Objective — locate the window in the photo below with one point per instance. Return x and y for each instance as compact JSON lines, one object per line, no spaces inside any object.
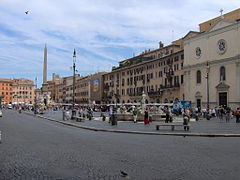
{"x":182,"y":56}
{"x":176,"y":58}
{"x":222,"y":73}
{"x":160,"y":73}
{"x":182,"y":79}
{"x":198,"y":76}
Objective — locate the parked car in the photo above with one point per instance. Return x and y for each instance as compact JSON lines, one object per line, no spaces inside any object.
{"x":9,"y":106}
{"x":0,"y":113}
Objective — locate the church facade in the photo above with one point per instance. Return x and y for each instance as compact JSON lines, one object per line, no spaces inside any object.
{"x":212,"y":66}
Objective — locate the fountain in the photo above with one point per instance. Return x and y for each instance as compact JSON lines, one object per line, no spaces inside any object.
{"x":143,"y":102}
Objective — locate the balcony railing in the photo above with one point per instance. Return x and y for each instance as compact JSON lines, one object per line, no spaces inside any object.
{"x":106,"y":87}
{"x":170,"y":86}
{"x":154,"y":93}
{"x":135,"y":94}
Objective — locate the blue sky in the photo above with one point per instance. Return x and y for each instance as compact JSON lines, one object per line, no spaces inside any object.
{"x":103,"y":32}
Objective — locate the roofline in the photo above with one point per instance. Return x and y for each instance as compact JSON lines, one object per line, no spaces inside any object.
{"x":150,"y":52}
{"x":202,"y":34}
{"x":139,"y":64}
{"x":219,"y":17}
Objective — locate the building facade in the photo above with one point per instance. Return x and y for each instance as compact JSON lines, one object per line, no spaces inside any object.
{"x":157,"y":73}
{"x":212,"y":66}
{"x":96,"y":88}
{"x":23,"y":91}
{"x":6,"y":90}
{"x":83,"y":90}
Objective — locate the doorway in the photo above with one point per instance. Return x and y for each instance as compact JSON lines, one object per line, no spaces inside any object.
{"x":223,"y":98}
{"x":199,"y":103}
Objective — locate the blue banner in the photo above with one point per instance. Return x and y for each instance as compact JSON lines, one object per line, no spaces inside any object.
{"x":177,"y":105}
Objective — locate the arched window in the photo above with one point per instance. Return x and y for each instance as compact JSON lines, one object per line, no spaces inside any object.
{"x":222,"y":73}
{"x":198,"y":76}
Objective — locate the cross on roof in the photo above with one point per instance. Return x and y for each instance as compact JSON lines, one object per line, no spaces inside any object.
{"x":221,"y":11}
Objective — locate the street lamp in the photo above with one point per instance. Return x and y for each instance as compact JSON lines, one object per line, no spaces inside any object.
{"x":207,"y":77}
{"x":73,"y":95}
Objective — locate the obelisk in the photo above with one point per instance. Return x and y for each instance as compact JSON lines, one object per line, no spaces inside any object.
{"x":44,"y":85}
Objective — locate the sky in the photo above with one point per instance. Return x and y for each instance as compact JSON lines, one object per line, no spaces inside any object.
{"x":103,"y":32}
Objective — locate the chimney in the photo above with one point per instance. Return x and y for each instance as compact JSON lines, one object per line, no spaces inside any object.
{"x":161,"y":45}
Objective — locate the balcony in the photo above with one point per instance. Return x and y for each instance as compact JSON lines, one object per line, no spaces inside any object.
{"x":174,"y":86}
{"x":106,"y":87}
{"x":154,"y":93}
{"x":135,"y":94}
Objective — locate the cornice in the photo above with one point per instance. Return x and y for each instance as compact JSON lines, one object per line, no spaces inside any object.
{"x":144,"y":63}
{"x":233,"y":59}
{"x":213,"y":33}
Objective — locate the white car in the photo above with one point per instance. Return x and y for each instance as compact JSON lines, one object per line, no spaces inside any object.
{"x":0,"y":113}
{"x":9,"y":106}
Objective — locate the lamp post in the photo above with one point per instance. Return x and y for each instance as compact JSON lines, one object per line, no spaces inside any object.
{"x":73,"y":95}
{"x":207,"y":77}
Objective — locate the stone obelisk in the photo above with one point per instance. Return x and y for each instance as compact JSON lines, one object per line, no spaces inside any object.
{"x":44,"y":85}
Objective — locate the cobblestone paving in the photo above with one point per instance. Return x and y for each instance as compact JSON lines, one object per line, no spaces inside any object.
{"x":33,"y":148}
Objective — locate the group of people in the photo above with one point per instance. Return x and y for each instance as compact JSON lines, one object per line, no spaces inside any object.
{"x":221,"y":112}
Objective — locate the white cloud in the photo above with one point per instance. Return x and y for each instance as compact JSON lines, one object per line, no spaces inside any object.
{"x":103,"y":32}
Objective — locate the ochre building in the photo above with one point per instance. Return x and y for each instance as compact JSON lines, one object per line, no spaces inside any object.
{"x":6,"y":90}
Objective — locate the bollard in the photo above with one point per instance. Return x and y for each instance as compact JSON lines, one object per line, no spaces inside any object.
{"x":63,"y":117}
{"x":114,"y":120}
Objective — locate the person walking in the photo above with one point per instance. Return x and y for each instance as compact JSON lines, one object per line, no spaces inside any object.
{"x":228,"y":111}
{"x":110,"y":114}
{"x":221,"y":112}
{"x":146,"y":117}
{"x":237,"y":114}
{"x":186,"y":118}
{"x":135,"y":114}
{"x":167,"y":115}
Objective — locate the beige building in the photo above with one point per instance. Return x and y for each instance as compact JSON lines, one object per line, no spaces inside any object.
{"x":83,"y":90}
{"x":67,"y":89}
{"x":212,"y":65}
{"x":159,"y":73}
{"x":89,"y":89}
{"x":96,"y":88}
{"x":53,"y":87}
{"x":23,"y":91}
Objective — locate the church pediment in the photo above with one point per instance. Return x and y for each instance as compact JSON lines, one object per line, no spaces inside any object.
{"x":222,"y":86}
{"x":221,"y":23}
{"x":190,"y":34}
{"x":198,"y":95}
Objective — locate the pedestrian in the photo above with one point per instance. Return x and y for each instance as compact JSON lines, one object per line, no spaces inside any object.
{"x":110,"y":114}
{"x":170,"y":116}
{"x":167,"y":115}
{"x":237,"y":114}
{"x":146,"y":117}
{"x":135,"y":114}
{"x":213,"y":112}
{"x":228,"y":111}
{"x":186,"y":118}
{"x":221,"y":113}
